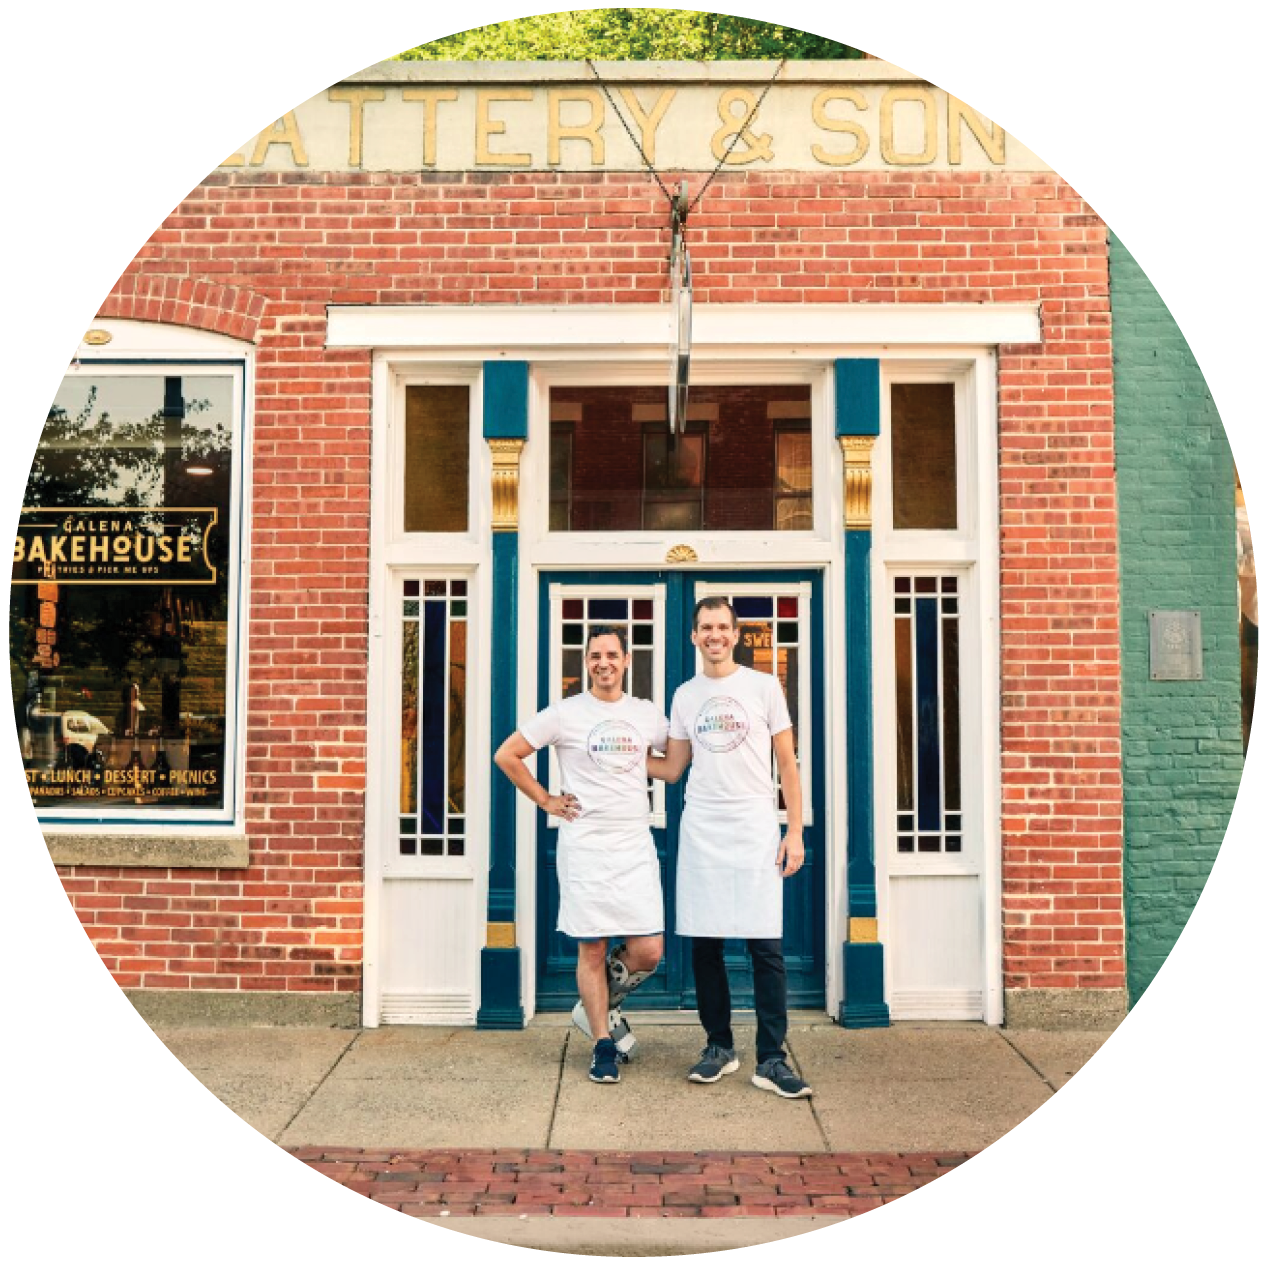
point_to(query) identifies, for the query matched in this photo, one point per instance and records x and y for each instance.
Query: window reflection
(743, 464)
(118, 613)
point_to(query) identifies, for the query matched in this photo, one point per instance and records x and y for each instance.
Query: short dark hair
(607, 630)
(714, 604)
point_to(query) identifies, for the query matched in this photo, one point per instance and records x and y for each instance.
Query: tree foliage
(627, 35)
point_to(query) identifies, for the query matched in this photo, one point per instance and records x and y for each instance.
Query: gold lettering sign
(114, 546)
(399, 124)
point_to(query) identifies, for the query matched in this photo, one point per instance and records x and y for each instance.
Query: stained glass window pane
(608, 609)
(951, 715)
(927, 715)
(903, 710)
(433, 716)
(410, 699)
(456, 718)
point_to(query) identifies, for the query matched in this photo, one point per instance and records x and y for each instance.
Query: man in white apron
(608, 872)
(731, 860)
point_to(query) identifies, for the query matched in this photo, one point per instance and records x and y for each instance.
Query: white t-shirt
(730, 721)
(602, 749)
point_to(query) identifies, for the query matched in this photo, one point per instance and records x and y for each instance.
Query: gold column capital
(856, 455)
(505, 457)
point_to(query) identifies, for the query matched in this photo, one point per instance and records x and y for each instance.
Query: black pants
(770, 993)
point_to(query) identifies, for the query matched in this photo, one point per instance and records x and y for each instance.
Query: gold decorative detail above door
(505, 454)
(856, 452)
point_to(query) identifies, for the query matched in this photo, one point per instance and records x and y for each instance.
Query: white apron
(728, 883)
(608, 880)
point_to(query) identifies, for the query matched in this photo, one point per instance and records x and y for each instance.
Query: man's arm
(511, 757)
(792, 850)
(671, 766)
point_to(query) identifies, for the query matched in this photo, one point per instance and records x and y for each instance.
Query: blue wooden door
(781, 621)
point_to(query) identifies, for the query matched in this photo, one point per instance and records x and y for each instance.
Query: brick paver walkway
(504, 1182)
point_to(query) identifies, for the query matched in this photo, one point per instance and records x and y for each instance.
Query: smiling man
(731, 859)
(608, 872)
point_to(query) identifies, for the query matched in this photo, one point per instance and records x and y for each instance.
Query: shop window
(927, 657)
(432, 813)
(743, 464)
(436, 458)
(923, 455)
(120, 644)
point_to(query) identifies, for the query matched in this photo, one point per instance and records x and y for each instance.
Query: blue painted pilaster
(858, 414)
(504, 417)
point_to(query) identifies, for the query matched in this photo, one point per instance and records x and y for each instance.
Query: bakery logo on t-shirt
(614, 746)
(722, 724)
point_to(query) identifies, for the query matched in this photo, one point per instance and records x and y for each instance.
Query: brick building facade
(341, 290)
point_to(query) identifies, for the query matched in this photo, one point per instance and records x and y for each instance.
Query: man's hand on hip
(792, 853)
(565, 807)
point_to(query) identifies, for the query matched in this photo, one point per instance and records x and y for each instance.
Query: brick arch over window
(192, 303)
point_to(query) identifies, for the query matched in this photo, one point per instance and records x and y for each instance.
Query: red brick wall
(299, 241)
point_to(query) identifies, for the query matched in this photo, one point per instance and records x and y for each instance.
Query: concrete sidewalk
(932, 1088)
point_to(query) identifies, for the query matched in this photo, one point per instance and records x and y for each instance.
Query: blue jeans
(770, 993)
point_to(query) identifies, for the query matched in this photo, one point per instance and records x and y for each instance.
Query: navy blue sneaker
(775, 1074)
(714, 1063)
(606, 1063)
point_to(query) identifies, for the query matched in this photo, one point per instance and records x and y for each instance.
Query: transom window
(743, 464)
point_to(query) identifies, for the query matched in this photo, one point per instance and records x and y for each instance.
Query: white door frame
(418, 345)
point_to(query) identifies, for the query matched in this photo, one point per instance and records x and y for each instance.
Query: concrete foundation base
(1083, 1009)
(246, 1009)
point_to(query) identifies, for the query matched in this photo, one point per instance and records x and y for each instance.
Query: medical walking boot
(617, 1025)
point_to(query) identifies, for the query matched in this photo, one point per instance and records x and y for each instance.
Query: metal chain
(650, 168)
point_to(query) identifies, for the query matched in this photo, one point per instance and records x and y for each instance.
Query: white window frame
(471, 865)
(971, 552)
(149, 349)
(637, 548)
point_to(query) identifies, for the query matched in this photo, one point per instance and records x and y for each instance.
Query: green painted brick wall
(1182, 745)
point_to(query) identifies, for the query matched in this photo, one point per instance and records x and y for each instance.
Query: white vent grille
(448, 1008)
(937, 1003)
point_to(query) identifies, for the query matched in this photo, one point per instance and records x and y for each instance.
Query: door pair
(781, 632)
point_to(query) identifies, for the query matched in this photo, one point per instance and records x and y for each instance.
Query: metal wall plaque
(1177, 653)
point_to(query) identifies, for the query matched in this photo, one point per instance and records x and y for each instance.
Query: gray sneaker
(714, 1063)
(775, 1074)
